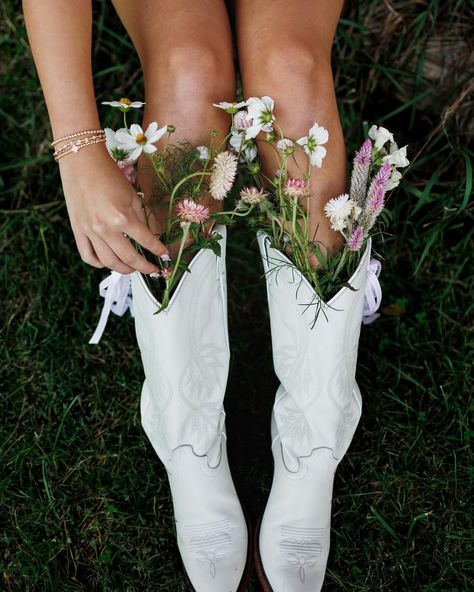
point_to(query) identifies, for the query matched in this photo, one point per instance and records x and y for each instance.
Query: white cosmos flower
(284, 143)
(312, 144)
(397, 156)
(338, 210)
(136, 141)
(380, 135)
(394, 180)
(125, 104)
(116, 152)
(260, 112)
(230, 107)
(239, 144)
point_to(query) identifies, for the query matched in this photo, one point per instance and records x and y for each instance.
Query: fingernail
(154, 274)
(165, 257)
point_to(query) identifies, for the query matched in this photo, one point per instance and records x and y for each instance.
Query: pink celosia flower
(189, 211)
(381, 179)
(224, 170)
(360, 173)
(377, 190)
(252, 195)
(364, 155)
(296, 188)
(376, 202)
(354, 242)
(128, 170)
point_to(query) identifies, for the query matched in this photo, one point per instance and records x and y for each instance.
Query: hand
(102, 206)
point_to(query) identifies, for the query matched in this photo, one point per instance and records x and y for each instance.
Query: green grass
(84, 502)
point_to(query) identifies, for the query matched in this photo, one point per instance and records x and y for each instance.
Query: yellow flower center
(140, 139)
(125, 101)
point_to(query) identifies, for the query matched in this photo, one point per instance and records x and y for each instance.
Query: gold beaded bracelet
(77, 135)
(74, 147)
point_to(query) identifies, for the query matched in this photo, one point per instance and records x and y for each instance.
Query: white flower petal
(149, 148)
(135, 130)
(398, 157)
(317, 155)
(156, 135)
(319, 134)
(380, 135)
(253, 131)
(136, 153)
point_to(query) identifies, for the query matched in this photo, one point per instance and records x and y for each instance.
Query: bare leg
(185, 49)
(285, 52)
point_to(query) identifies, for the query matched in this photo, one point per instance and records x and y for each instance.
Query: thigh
(156, 26)
(283, 26)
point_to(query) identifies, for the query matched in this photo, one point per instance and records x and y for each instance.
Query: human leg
(284, 52)
(185, 348)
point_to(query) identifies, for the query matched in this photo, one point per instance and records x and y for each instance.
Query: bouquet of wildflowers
(280, 205)
(187, 179)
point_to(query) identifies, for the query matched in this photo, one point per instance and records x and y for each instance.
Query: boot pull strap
(116, 290)
(373, 293)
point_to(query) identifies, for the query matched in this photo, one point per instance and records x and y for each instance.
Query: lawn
(84, 502)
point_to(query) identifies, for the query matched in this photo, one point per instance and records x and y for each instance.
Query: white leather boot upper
(316, 412)
(185, 354)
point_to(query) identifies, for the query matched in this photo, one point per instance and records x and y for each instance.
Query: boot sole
(244, 582)
(262, 578)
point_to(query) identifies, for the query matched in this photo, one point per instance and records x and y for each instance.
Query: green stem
(169, 284)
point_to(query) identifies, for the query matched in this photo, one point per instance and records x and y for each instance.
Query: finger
(126, 252)
(86, 251)
(145, 237)
(107, 257)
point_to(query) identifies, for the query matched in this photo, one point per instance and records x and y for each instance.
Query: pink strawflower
(189, 211)
(354, 242)
(252, 195)
(296, 188)
(223, 174)
(128, 170)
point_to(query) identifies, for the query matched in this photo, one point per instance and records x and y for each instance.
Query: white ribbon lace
(373, 293)
(116, 290)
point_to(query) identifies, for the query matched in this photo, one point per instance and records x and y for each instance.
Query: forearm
(60, 35)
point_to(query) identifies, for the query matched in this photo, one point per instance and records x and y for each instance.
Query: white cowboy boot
(185, 354)
(316, 412)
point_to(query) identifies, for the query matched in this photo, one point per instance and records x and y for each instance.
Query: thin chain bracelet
(76, 143)
(77, 135)
(74, 147)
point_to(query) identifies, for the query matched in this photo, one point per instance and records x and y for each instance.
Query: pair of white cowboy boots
(185, 353)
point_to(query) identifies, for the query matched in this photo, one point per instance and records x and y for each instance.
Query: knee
(200, 68)
(289, 65)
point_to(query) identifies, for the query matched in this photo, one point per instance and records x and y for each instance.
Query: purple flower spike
(354, 242)
(377, 201)
(360, 173)
(382, 178)
(364, 155)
